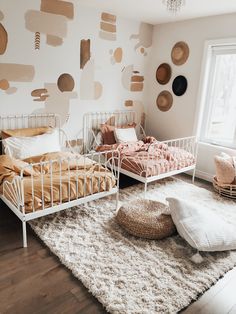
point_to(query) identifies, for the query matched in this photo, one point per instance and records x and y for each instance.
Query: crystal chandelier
(174, 5)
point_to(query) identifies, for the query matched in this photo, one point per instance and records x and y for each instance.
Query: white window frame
(204, 87)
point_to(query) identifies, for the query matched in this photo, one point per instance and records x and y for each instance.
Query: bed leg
(24, 234)
(117, 201)
(193, 177)
(145, 189)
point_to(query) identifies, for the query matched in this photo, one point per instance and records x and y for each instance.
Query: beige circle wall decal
(164, 101)
(163, 73)
(65, 82)
(180, 53)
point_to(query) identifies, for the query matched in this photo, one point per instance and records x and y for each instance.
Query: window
(219, 115)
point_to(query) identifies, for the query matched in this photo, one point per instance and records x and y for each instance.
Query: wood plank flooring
(33, 280)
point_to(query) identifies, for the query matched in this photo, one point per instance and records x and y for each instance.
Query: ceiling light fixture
(174, 5)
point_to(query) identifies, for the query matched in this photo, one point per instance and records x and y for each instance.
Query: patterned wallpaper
(57, 56)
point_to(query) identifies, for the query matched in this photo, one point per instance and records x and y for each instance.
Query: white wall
(50, 62)
(180, 120)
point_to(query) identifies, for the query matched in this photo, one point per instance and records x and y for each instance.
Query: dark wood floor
(33, 280)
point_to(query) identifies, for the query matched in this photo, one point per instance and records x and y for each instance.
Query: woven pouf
(145, 219)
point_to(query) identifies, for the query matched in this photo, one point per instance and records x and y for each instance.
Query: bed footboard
(58, 184)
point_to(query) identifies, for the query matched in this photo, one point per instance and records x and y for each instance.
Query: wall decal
(57, 101)
(40, 93)
(1, 16)
(107, 36)
(89, 88)
(131, 79)
(11, 90)
(109, 18)
(97, 90)
(3, 39)
(17, 72)
(37, 41)
(138, 106)
(144, 37)
(117, 55)
(58, 7)
(65, 82)
(4, 84)
(54, 41)
(46, 23)
(51, 21)
(108, 27)
(126, 76)
(84, 52)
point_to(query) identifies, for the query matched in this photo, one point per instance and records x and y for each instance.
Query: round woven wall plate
(164, 101)
(179, 85)
(180, 53)
(163, 73)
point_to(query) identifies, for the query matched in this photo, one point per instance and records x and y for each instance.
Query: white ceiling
(154, 11)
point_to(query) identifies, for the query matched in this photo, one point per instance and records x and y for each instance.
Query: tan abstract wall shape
(51, 21)
(1, 16)
(17, 72)
(40, 93)
(3, 39)
(65, 82)
(11, 90)
(4, 84)
(144, 37)
(85, 53)
(138, 106)
(116, 56)
(46, 23)
(57, 102)
(54, 41)
(58, 7)
(131, 79)
(108, 27)
(89, 88)
(126, 76)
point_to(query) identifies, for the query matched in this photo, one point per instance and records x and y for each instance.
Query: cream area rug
(128, 274)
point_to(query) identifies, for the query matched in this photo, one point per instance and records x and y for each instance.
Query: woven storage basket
(228, 190)
(146, 219)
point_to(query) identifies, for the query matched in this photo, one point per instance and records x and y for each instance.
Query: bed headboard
(29, 121)
(93, 120)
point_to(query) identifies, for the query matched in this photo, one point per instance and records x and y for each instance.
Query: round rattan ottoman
(146, 219)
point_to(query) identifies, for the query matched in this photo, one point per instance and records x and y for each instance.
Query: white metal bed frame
(92, 122)
(13, 192)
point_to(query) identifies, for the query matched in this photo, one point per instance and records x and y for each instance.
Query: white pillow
(202, 228)
(125, 135)
(24, 147)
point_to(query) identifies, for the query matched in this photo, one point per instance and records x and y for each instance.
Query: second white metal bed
(188, 145)
(13, 194)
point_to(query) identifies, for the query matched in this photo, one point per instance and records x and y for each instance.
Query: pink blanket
(150, 158)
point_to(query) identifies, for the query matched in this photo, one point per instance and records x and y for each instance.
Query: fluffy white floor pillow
(202, 228)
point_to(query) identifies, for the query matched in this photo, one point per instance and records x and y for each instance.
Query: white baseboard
(204, 175)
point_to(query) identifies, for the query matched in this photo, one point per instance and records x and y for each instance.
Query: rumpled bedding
(71, 179)
(150, 157)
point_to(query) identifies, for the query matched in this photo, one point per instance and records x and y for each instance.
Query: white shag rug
(128, 274)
